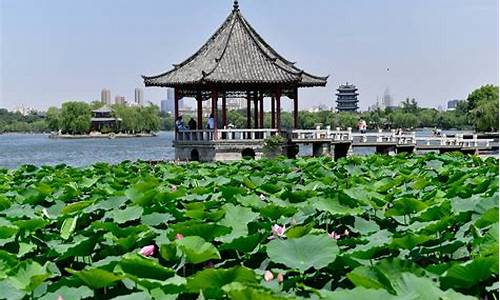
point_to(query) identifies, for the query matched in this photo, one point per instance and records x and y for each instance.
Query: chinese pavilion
(236, 62)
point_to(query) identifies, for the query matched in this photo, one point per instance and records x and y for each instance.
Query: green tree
(410, 106)
(485, 115)
(75, 117)
(151, 115)
(54, 119)
(483, 108)
(488, 92)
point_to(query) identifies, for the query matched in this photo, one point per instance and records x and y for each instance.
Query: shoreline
(101, 136)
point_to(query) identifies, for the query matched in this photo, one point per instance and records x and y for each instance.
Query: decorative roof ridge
(247, 28)
(218, 60)
(205, 45)
(254, 34)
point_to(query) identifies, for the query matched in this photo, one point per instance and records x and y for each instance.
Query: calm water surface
(38, 149)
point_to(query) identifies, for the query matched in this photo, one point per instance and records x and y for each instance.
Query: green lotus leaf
(66, 292)
(28, 275)
(237, 218)
(121, 216)
(139, 266)
(207, 231)
(68, 226)
(334, 207)
(360, 293)
(197, 250)
(470, 273)
(310, 251)
(211, 281)
(96, 278)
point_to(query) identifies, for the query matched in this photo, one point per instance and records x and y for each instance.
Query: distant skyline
(430, 50)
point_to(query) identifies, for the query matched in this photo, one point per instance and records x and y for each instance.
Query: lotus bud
(280, 278)
(60, 297)
(268, 276)
(148, 250)
(346, 232)
(173, 187)
(179, 236)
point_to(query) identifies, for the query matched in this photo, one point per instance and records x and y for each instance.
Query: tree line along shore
(479, 112)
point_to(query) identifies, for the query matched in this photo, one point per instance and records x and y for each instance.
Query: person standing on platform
(192, 124)
(179, 124)
(362, 126)
(211, 122)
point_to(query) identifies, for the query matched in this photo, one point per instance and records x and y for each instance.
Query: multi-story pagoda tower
(347, 98)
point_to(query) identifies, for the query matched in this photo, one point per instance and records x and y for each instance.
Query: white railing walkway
(337, 135)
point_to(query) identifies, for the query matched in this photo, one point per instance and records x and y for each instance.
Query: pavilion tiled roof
(235, 54)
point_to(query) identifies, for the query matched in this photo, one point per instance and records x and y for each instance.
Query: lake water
(38, 149)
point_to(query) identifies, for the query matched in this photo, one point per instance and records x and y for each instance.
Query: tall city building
(452, 105)
(347, 98)
(167, 105)
(120, 100)
(388, 100)
(106, 97)
(139, 96)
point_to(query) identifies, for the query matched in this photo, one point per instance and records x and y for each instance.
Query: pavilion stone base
(217, 151)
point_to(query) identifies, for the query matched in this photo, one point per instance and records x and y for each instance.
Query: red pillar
(296, 108)
(273, 112)
(256, 110)
(249, 114)
(261, 110)
(176, 103)
(278, 109)
(176, 109)
(199, 110)
(224, 116)
(215, 96)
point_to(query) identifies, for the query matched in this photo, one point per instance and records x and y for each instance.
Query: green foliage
(138, 119)
(404, 227)
(16, 122)
(75, 117)
(483, 108)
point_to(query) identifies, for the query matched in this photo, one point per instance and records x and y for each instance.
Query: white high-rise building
(387, 100)
(106, 97)
(139, 97)
(120, 100)
(167, 105)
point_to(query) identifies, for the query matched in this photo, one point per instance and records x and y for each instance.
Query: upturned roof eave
(262, 45)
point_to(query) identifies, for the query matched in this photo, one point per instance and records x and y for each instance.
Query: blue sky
(436, 50)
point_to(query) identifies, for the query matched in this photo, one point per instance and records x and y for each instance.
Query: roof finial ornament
(236, 5)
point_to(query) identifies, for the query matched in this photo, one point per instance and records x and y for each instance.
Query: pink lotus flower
(268, 276)
(278, 231)
(336, 236)
(148, 250)
(60, 297)
(280, 278)
(179, 236)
